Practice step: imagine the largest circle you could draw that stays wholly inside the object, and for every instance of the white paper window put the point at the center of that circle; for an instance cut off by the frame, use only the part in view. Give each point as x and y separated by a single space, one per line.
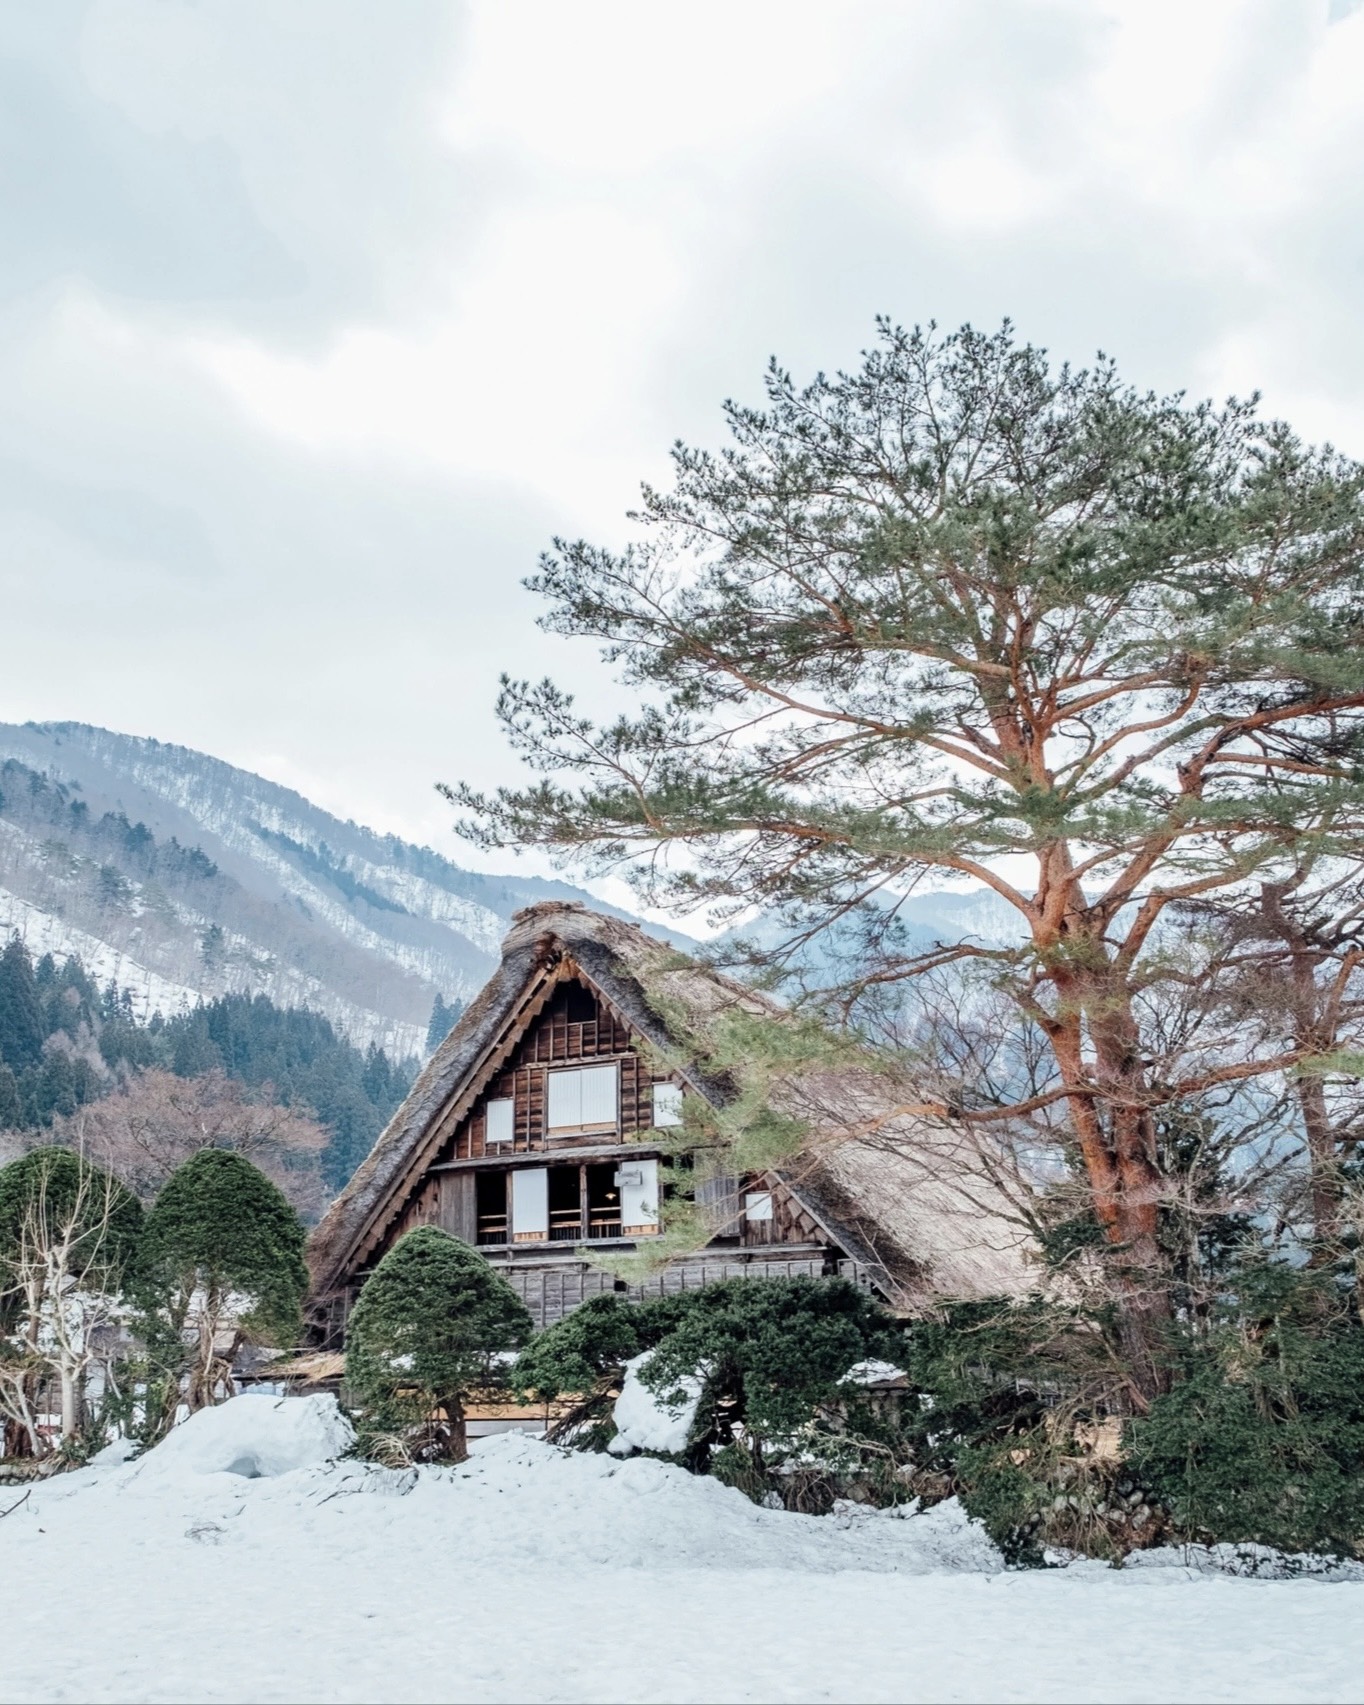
758 1204
637 1182
667 1105
500 1126
530 1203
582 1098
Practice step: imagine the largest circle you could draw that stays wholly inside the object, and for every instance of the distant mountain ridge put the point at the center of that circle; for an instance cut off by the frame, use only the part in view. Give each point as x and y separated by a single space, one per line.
183 877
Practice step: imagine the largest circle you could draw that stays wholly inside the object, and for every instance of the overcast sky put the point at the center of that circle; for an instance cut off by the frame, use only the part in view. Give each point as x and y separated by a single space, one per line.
319 317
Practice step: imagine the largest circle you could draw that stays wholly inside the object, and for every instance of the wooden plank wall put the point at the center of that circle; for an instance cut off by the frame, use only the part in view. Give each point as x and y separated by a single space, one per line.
446 1199
552 1292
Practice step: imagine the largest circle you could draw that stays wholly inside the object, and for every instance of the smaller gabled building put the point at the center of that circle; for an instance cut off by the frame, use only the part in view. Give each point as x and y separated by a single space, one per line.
540 1132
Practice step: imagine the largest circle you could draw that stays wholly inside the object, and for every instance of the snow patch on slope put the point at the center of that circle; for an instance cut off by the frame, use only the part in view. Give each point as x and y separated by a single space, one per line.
43 932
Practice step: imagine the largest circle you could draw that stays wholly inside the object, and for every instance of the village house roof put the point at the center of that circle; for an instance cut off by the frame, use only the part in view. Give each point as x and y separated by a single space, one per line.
919 1202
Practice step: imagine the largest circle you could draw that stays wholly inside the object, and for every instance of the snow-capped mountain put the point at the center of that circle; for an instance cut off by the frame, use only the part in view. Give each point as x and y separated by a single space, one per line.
183 877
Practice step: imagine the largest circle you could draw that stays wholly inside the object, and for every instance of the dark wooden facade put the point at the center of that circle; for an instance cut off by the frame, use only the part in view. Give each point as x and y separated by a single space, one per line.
538 1193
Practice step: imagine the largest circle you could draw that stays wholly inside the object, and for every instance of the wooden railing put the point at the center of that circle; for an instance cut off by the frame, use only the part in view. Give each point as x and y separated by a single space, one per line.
565 1226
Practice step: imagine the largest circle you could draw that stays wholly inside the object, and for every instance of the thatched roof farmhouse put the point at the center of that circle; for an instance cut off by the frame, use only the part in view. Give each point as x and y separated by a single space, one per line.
540 1131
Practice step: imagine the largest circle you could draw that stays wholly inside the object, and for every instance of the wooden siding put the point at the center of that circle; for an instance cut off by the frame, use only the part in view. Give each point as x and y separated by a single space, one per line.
790 1223
554 1040
572 1027
552 1291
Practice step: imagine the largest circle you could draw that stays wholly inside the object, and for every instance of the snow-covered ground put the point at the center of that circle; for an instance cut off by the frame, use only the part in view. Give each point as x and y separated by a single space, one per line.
239 1561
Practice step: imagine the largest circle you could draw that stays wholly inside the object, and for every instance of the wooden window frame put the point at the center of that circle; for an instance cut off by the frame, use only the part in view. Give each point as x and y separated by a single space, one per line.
558 1133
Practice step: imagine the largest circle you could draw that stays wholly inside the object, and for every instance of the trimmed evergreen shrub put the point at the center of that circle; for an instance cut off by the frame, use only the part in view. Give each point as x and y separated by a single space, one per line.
771 1354
426 1328
52 1184
1261 1438
585 1348
223 1248
49 1184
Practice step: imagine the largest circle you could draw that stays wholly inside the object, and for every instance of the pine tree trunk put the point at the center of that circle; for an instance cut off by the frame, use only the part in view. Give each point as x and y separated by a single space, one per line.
1323 1163
458 1449
1118 1147
1314 1032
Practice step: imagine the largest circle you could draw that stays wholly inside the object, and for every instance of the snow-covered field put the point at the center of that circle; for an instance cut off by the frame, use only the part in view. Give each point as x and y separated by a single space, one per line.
240 1561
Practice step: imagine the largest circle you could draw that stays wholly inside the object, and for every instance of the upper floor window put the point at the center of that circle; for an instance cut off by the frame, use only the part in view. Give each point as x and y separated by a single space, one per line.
584 1100
500 1126
667 1105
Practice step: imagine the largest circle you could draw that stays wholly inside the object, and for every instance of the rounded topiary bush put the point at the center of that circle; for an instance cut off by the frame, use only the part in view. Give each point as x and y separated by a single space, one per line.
222 1249
428 1326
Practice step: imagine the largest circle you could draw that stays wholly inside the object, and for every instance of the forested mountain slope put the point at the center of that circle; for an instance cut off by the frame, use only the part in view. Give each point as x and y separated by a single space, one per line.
182 877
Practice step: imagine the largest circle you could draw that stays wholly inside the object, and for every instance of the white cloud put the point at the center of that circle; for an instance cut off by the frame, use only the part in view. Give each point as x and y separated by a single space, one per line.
547 343
315 325
619 92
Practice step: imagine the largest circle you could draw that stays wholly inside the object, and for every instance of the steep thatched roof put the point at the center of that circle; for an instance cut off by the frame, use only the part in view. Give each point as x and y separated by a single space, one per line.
915 1200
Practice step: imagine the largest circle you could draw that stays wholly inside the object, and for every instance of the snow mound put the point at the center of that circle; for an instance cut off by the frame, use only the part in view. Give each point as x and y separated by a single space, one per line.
942 1537
114 1455
872 1373
256 1437
644 1421
572 1509
569 1571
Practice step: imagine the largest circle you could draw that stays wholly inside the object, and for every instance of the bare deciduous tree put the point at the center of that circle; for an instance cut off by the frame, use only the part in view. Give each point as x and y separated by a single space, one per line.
69 1240
157 1121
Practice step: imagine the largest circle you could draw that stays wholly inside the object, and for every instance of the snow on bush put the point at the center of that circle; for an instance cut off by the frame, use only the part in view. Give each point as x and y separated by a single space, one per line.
644 1421
255 1437
872 1373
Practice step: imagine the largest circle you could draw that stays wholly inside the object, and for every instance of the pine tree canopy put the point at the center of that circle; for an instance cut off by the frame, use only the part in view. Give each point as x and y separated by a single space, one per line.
219 1225
957 605
426 1324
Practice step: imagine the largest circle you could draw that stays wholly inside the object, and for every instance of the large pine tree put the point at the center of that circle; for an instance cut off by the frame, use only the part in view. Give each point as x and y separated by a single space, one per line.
960 614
